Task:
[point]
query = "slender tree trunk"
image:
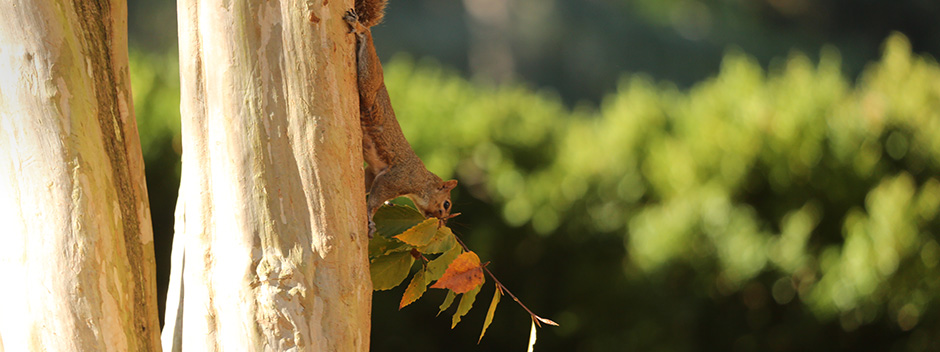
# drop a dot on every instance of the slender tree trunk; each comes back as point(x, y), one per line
point(270, 246)
point(76, 246)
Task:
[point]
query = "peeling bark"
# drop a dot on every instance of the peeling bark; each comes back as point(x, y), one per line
point(77, 240)
point(270, 244)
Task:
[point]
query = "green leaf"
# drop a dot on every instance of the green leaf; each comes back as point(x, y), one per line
point(391, 220)
point(415, 289)
point(441, 242)
point(403, 201)
point(490, 312)
point(438, 266)
point(466, 302)
point(390, 270)
point(377, 246)
point(447, 301)
point(381, 245)
point(420, 234)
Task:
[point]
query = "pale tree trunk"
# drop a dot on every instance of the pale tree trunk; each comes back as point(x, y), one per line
point(270, 244)
point(76, 246)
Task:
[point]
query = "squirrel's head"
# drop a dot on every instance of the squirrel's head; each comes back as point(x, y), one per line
point(438, 200)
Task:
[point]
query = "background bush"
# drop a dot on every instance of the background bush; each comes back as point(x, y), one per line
point(781, 209)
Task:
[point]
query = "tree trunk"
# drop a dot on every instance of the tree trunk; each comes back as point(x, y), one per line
point(270, 244)
point(76, 250)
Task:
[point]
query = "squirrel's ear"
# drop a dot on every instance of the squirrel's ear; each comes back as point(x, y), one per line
point(449, 185)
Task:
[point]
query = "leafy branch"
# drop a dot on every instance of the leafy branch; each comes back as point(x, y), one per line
point(503, 289)
point(405, 236)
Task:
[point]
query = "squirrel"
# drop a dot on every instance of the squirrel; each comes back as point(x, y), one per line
point(394, 169)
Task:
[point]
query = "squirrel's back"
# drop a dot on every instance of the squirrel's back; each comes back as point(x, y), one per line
point(370, 11)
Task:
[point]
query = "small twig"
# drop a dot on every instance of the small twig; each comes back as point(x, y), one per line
point(443, 221)
point(461, 243)
point(503, 288)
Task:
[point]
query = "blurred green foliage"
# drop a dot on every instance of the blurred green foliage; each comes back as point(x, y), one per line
point(156, 102)
point(156, 92)
point(786, 209)
point(828, 189)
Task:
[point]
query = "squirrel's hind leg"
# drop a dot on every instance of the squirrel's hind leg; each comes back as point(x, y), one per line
point(370, 177)
point(380, 191)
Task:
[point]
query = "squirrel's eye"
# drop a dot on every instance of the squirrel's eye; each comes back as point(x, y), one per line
point(446, 204)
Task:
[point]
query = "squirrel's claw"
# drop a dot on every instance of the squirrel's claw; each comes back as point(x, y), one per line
point(352, 18)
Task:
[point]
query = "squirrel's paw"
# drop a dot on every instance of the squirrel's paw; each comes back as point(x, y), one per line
point(352, 18)
point(371, 228)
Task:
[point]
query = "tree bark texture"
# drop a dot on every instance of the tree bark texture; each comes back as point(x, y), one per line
point(76, 245)
point(270, 241)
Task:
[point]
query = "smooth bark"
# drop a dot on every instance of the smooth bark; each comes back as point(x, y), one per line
point(270, 242)
point(76, 245)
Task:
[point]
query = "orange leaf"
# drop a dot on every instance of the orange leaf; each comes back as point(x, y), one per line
point(438, 266)
point(463, 274)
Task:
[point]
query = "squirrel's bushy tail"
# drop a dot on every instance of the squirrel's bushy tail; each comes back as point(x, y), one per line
point(370, 11)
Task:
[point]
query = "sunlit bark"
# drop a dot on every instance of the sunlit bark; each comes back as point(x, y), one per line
point(76, 245)
point(269, 252)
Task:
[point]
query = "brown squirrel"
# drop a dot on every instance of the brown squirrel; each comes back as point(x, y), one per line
point(394, 169)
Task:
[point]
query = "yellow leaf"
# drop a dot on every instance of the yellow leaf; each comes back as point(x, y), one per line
point(442, 241)
point(532, 337)
point(489, 313)
point(419, 284)
point(466, 302)
point(447, 301)
point(420, 234)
